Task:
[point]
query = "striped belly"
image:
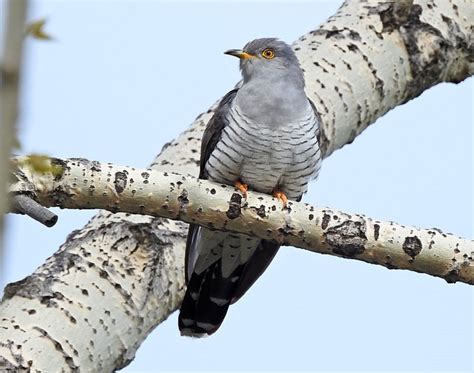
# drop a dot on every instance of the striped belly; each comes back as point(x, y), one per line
point(264, 166)
point(284, 157)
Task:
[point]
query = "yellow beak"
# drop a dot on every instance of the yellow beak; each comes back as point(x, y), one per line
point(239, 53)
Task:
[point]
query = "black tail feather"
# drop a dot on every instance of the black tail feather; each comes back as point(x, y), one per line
point(207, 300)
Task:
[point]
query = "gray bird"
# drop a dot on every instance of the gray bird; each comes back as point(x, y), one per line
point(263, 137)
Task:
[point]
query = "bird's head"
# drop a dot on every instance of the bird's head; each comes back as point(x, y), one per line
point(266, 58)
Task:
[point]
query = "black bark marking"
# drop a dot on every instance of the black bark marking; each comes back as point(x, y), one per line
point(40, 287)
point(347, 239)
point(392, 14)
point(452, 276)
point(151, 242)
point(261, 211)
point(352, 47)
point(325, 222)
point(376, 231)
point(456, 10)
point(427, 70)
point(211, 226)
point(379, 84)
point(234, 210)
point(59, 196)
point(120, 181)
point(412, 246)
point(389, 264)
point(339, 33)
point(67, 358)
point(20, 364)
point(103, 274)
point(322, 67)
point(329, 63)
point(183, 199)
point(95, 166)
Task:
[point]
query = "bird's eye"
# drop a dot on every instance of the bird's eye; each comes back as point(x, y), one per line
point(268, 53)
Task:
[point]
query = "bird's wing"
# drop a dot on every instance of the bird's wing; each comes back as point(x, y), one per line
point(210, 138)
point(254, 268)
point(213, 131)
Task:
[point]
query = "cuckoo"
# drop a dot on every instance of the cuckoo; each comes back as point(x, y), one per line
point(263, 137)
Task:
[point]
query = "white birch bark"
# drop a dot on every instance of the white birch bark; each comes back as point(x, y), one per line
point(126, 269)
point(82, 184)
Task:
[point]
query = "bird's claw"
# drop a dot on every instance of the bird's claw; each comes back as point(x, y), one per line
point(279, 195)
point(243, 188)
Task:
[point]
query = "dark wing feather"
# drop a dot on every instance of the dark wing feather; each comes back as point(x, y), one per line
point(213, 131)
point(210, 138)
point(193, 232)
point(254, 268)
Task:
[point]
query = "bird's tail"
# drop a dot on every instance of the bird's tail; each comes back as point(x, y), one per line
point(207, 300)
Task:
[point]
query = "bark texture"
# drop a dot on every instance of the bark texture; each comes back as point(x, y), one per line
point(82, 184)
point(368, 58)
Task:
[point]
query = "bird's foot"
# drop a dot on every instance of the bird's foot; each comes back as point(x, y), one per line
point(243, 188)
point(279, 195)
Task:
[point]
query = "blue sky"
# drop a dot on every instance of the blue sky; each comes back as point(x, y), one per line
point(122, 78)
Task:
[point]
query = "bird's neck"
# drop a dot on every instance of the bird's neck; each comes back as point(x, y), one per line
point(272, 102)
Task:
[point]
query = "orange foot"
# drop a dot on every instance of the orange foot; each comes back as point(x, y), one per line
point(243, 188)
point(278, 194)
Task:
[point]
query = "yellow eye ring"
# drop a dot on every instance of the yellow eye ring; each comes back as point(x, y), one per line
point(268, 53)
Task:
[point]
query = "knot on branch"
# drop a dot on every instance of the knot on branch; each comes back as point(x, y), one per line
point(395, 14)
point(347, 239)
point(31, 287)
point(234, 210)
point(120, 181)
point(412, 246)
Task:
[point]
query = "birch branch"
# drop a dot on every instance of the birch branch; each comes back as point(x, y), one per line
point(127, 270)
point(83, 184)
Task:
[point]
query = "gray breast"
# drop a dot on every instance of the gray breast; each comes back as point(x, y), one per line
point(266, 157)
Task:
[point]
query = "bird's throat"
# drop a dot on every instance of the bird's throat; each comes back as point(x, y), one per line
point(272, 103)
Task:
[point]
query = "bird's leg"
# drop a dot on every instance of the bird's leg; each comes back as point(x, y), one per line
point(279, 195)
point(243, 188)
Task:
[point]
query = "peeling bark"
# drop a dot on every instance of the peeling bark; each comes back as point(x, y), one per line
point(368, 58)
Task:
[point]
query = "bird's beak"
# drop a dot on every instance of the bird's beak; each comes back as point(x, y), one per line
point(239, 53)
